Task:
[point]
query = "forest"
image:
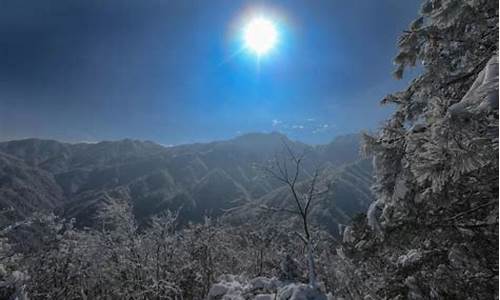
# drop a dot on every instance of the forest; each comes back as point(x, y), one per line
point(429, 230)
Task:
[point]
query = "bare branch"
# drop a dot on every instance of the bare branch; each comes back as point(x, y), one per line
point(301, 237)
point(310, 195)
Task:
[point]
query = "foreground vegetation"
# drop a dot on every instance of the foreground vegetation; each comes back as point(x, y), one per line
point(432, 233)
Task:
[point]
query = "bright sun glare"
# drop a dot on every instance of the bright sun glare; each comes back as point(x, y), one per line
point(260, 36)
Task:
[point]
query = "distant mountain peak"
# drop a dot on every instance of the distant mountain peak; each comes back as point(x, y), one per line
point(265, 142)
point(262, 135)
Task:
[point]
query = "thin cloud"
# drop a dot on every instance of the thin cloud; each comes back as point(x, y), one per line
point(322, 128)
point(276, 122)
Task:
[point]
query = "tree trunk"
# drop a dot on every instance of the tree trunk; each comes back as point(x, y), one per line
point(313, 282)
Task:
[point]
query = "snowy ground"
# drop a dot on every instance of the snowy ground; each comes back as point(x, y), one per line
point(232, 287)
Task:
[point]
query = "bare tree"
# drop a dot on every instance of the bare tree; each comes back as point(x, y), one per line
point(288, 169)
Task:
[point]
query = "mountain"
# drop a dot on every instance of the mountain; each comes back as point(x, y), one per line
point(348, 193)
point(25, 189)
point(198, 179)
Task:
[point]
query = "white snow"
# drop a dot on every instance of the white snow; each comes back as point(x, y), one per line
point(347, 236)
point(300, 291)
point(217, 290)
point(371, 216)
point(265, 297)
point(483, 94)
point(410, 258)
point(232, 287)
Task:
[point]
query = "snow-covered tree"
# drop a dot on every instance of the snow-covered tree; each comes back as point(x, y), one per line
point(444, 126)
point(436, 158)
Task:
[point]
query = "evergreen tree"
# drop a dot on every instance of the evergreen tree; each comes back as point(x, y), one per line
point(436, 159)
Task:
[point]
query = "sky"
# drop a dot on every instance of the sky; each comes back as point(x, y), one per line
point(176, 72)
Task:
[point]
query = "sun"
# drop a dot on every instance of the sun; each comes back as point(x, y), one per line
point(260, 36)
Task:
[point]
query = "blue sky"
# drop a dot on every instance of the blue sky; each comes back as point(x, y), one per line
point(173, 71)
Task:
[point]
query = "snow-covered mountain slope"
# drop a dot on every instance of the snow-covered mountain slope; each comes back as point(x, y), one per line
point(198, 179)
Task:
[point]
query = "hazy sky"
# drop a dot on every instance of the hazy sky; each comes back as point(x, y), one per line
point(173, 71)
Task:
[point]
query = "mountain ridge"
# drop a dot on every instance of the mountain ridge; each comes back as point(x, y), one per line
point(201, 178)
